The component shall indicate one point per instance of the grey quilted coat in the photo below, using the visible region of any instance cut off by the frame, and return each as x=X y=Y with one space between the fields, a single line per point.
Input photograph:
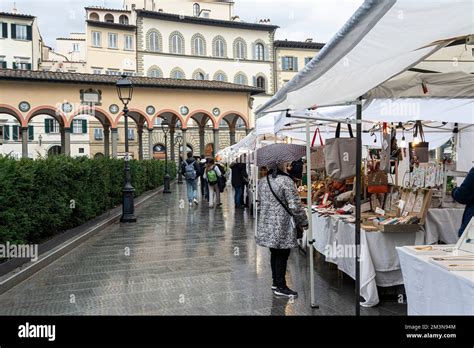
x=274 y=228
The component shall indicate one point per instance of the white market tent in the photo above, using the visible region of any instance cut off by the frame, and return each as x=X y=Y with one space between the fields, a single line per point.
x=380 y=41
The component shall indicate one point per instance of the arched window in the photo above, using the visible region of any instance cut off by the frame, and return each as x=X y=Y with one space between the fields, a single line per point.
x=240 y=49
x=196 y=10
x=261 y=82
x=241 y=79
x=123 y=19
x=220 y=76
x=240 y=123
x=154 y=41
x=176 y=43
x=199 y=75
x=198 y=45
x=94 y=16
x=219 y=47
x=259 y=51
x=109 y=18
x=177 y=73
x=223 y=124
x=154 y=71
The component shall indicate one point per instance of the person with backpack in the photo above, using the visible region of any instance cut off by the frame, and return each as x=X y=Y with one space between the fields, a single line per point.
x=190 y=171
x=204 y=186
x=213 y=175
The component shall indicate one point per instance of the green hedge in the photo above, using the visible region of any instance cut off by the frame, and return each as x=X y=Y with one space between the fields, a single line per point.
x=36 y=196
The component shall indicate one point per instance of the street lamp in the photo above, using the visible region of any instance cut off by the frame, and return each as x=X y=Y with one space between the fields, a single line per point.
x=179 y=141
x=165 y=128
x=125 y=92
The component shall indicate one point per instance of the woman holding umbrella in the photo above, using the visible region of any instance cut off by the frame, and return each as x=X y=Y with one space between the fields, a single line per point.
x=282 y=217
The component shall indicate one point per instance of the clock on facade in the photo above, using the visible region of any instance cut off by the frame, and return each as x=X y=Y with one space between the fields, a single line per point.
x=67 y=107
x=216 y=112
x=114 y=108
x=24 y=106
x=184 y=110
x=150 y=110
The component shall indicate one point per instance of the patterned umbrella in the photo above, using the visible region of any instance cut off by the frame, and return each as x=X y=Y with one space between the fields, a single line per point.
x=274 y=154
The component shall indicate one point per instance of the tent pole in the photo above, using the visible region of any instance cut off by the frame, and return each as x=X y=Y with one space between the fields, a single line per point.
x=358 y=203
x=309 y=238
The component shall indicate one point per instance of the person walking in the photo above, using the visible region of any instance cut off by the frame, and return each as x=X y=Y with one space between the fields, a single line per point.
x=190 y=170
x=213 y=175
x=239 y=180
x=204 y=186
x=464 y=194
x=281 y=215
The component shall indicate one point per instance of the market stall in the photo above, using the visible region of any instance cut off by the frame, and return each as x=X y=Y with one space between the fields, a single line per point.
x=348 y=71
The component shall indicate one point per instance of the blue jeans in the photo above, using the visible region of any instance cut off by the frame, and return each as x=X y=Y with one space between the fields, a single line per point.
x=191 y=186
x=238 y=197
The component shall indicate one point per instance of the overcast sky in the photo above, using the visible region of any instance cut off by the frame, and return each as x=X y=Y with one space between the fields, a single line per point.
x=298 y=19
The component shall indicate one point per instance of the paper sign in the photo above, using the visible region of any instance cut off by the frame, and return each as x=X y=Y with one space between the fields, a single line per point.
x=379 y=211
x=401 y=204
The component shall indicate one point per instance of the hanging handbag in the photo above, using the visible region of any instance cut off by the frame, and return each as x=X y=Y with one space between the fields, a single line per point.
x=377 y=182
x=317 y=152
x=340 y=155
x=299 y=229
x=419 y=153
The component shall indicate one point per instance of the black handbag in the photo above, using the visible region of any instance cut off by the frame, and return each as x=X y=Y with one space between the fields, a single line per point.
x=299 y=229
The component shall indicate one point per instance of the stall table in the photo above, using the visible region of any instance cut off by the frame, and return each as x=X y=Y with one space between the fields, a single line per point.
x=378 y=258
x=442 y=224
x=433 y=290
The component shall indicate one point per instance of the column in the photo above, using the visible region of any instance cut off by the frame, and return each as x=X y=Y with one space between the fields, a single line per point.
x=216 y=142
x=202 y=145
x=24 y=142
x=67 y=141
x=185 y=144
x=114 y=142
x=150 y=143
x=232 y=136
x=172 y=155
x=107 y=141
x=63 y=137
x=140 y=142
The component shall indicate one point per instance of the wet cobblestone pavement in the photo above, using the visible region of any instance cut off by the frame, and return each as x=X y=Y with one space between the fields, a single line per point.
x=179 y=260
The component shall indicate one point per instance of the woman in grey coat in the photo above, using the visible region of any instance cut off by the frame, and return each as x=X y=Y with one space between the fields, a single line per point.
x=275 y=227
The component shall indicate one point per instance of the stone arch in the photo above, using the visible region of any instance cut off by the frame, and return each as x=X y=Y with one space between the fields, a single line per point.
x=94 y=16
x=177 y=70
x=231 y=117
x=199 y=71
x=170 y=115
x=181 y=37
x=109 y=17
x=214 y=47
x=157 y=45
x=266 y=54
x=9 y=110
x=193 y=46
x=154 y=71
x=235 y=46
x=201 y=117
x=216 y=75
x=136 y=115
x=101 y=115
x=50 y=111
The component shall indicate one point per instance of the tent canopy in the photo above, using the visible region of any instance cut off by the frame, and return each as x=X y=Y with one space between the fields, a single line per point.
x=381 y=39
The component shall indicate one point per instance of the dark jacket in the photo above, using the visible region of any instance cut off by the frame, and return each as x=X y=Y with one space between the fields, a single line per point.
x=464 y=194
x=196 y=166
x=239 y=174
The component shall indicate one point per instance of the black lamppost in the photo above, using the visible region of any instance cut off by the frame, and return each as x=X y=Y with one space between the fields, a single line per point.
x=125 y=92
x=179 y=141
x=166 y=183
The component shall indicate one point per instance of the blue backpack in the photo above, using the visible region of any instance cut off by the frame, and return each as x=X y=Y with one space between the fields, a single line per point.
x=190 y=171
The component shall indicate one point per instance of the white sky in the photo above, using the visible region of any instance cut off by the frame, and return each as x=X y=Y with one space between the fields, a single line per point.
x=297 y=19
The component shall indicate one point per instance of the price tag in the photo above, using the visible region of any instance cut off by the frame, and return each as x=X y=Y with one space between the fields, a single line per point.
x=348 y=207
x=379 y=211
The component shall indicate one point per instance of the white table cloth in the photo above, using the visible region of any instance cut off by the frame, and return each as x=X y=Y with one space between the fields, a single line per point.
x=378 y=259
x=443 y=224
x=433 y=290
